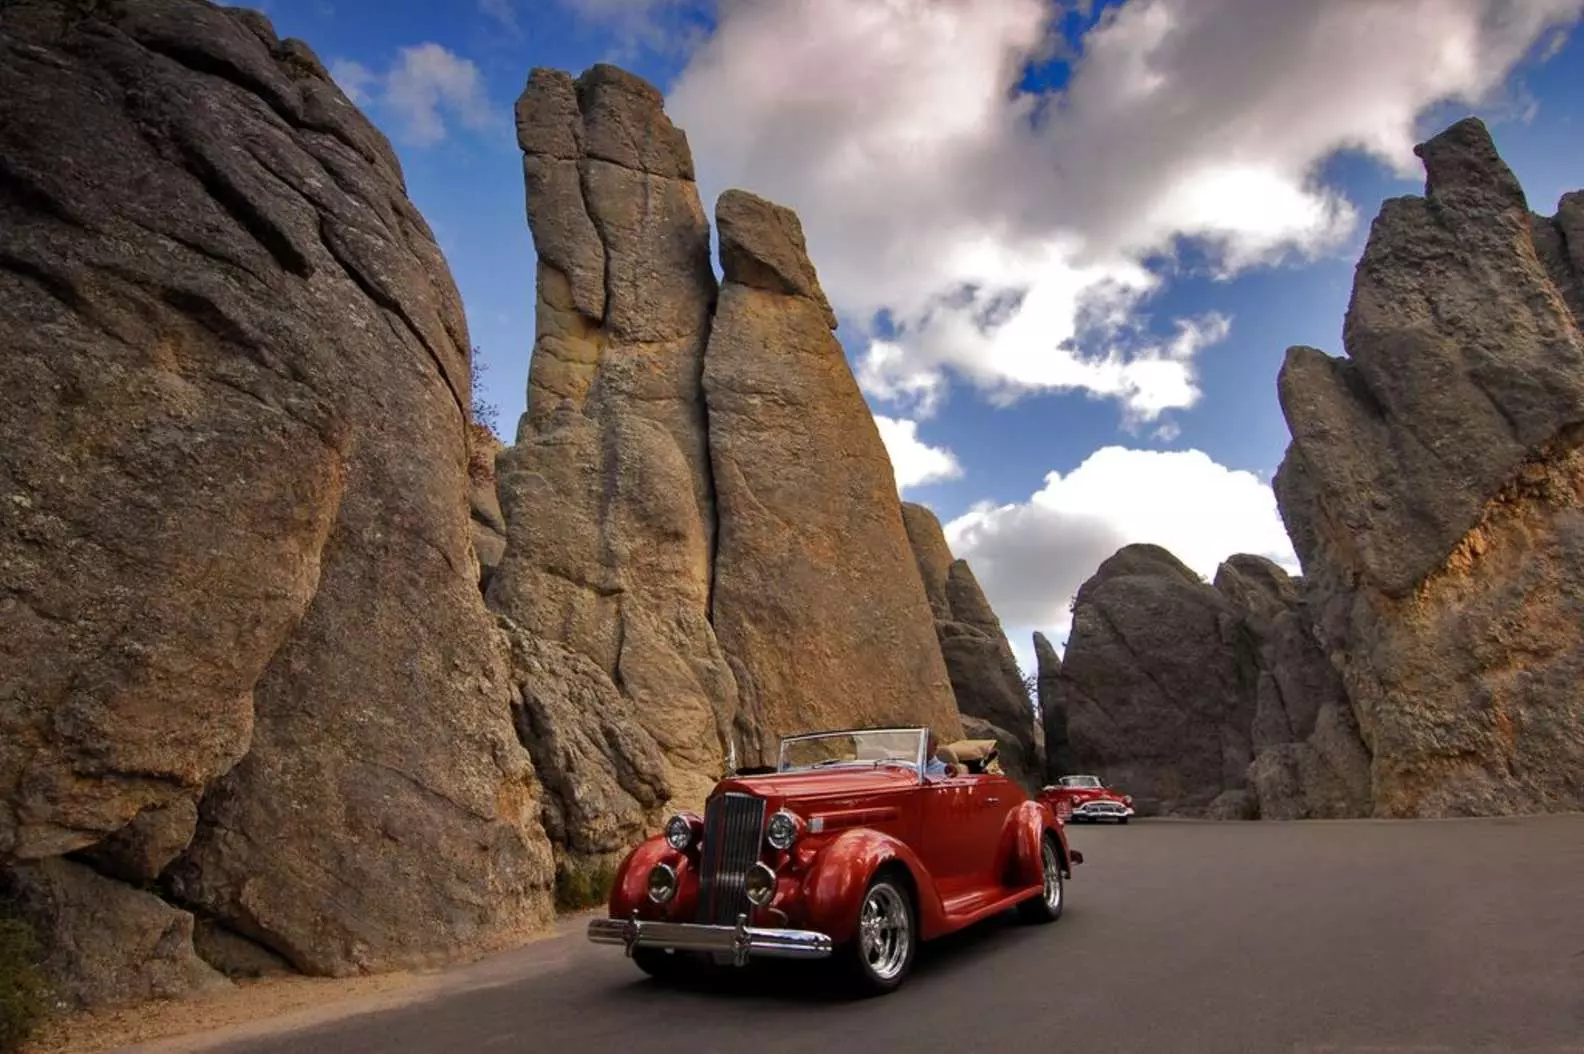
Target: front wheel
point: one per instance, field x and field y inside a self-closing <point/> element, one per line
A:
<point x="661" y="964"/>
<point x="880" y="955"/>
<point x="1047" y="907"/>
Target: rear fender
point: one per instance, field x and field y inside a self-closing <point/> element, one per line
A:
<point x="1019" y="859"/>
<point x="840" y="873"/>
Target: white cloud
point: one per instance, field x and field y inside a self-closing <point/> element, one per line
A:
<point x="1005" y="234"/>
<point x="426" y="85"/>
<point x="1032" y="556"/>
<point x="665" y="27"/>
<point x="914" y="461"/>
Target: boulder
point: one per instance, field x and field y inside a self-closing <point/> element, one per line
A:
<point x="1434" y="490"/>
<point x="235" y="556"/>
<point x="1156" y="685"/>
<point x="106" y="944"/>
<point x="984" y="674"/>
<point x="606" y="494"/>
<point x="817" y="602"/>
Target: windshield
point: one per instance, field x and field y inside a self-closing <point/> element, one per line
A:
<point x="1080" y="781"/>
<point x="866" y="748"/>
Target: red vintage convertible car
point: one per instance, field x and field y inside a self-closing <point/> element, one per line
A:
<point x="1084" y="799"/>
<point x="859" y="845"/>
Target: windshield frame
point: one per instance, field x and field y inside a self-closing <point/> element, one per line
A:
<point x="918" y="763"/>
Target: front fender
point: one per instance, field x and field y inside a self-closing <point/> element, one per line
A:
<point x="630" y="888"/>
<point x="840" y="873"/>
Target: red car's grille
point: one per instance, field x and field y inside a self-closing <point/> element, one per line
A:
<point x="733" y="828"/>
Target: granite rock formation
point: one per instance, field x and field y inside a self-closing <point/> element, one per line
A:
<point x="1059" y="760"/>
<point x="816" y="601"/>
<point x="484" y="509"/>
<point x="1156" y="685"/>
<point x="1309" y="760"/>
<point x="235" y="569"/>
<point x="606" y="493"/>
<point x="984" y="674"/>
<point x="1434" y="491"/>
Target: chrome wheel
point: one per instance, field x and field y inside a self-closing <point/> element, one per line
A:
<point x="885" y="931"/>
<point x="1053" y="878"/>
<point x="1046" y="905"/>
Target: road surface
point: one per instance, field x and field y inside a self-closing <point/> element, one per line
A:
<point x="1177" y="937"/>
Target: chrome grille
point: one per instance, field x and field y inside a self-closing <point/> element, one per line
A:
<point x="733" y="827"/>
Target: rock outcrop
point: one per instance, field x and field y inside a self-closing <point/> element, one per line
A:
<point x="235" y="570"/>
<point x="1309" y="760"/>
<point x="488" y="523"/>
<point x="1434" y="491"/>
<point x="816" y="603"/>
<point x="1156" y="686"/>
<point x="607" y="493"/>
<point x="984" y="674"/>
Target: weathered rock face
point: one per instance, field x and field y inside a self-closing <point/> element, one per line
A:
<point x="984" y="674"/>
<point x="1059" y="760"/>
<point x="234" y="542"/>
<point x="1434" y="490"/>
<point x="1309" y="761"/>
<point x="817" y="602"/>
<point x="606" y="494"/>
<point x="1155" y="685"/>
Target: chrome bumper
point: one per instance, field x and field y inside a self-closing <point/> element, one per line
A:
<point x="740" y="941"/>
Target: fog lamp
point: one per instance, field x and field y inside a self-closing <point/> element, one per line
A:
<point x="662" y="883"/>
<point x="760" y="884"/>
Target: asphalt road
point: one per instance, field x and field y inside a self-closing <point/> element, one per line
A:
<point x="1177" y="937"/>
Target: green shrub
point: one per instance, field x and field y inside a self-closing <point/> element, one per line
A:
<point x="23" y="994"/>
<point x="582" y="886"/>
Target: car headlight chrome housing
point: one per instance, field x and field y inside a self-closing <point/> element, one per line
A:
<point x="782" y="830"/>
<point x="759" y="884"/>
<point x="662" y="883"/>
<point x="679" y="831"/>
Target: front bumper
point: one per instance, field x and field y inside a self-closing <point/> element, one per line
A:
<point x="1109" y="812"/>
<point x="740" y="941"/>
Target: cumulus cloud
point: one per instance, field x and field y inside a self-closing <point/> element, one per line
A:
<point x="427" y="86"/>
<point x="1032" y="556"/>
<point x="914" y="461"/>
<point x="1014" y="239"/>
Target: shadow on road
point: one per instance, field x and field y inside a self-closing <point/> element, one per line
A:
<point x="772" y="981"/>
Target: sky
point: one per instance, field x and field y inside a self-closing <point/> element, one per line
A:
<point x="1068" y="242"/>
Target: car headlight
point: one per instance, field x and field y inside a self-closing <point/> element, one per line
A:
<point x="782" y="830"/>
<point x="679" y="832"/>
<point x="759" y="884"/>
<point x="662" y="883"/>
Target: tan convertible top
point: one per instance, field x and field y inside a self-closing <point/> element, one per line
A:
<point x="967" y="750"/>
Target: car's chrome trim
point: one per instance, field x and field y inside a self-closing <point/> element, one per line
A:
<point x="740" y="941"/>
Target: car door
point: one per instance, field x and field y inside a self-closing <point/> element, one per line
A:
<point x="991" y="798"/>
<point x="950" y="835"/>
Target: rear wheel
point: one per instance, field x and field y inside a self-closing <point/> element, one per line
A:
<point x="1047" y="906"/>
<point x="880" y="955"/>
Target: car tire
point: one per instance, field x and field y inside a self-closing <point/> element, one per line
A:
<point x="1124" y="819"/>
<point x="880" y="955"/>
<point x="664" y="966"/>
<point x="1046" y="907"/>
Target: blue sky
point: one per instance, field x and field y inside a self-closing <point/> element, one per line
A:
<point x="1266" y="93"/>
